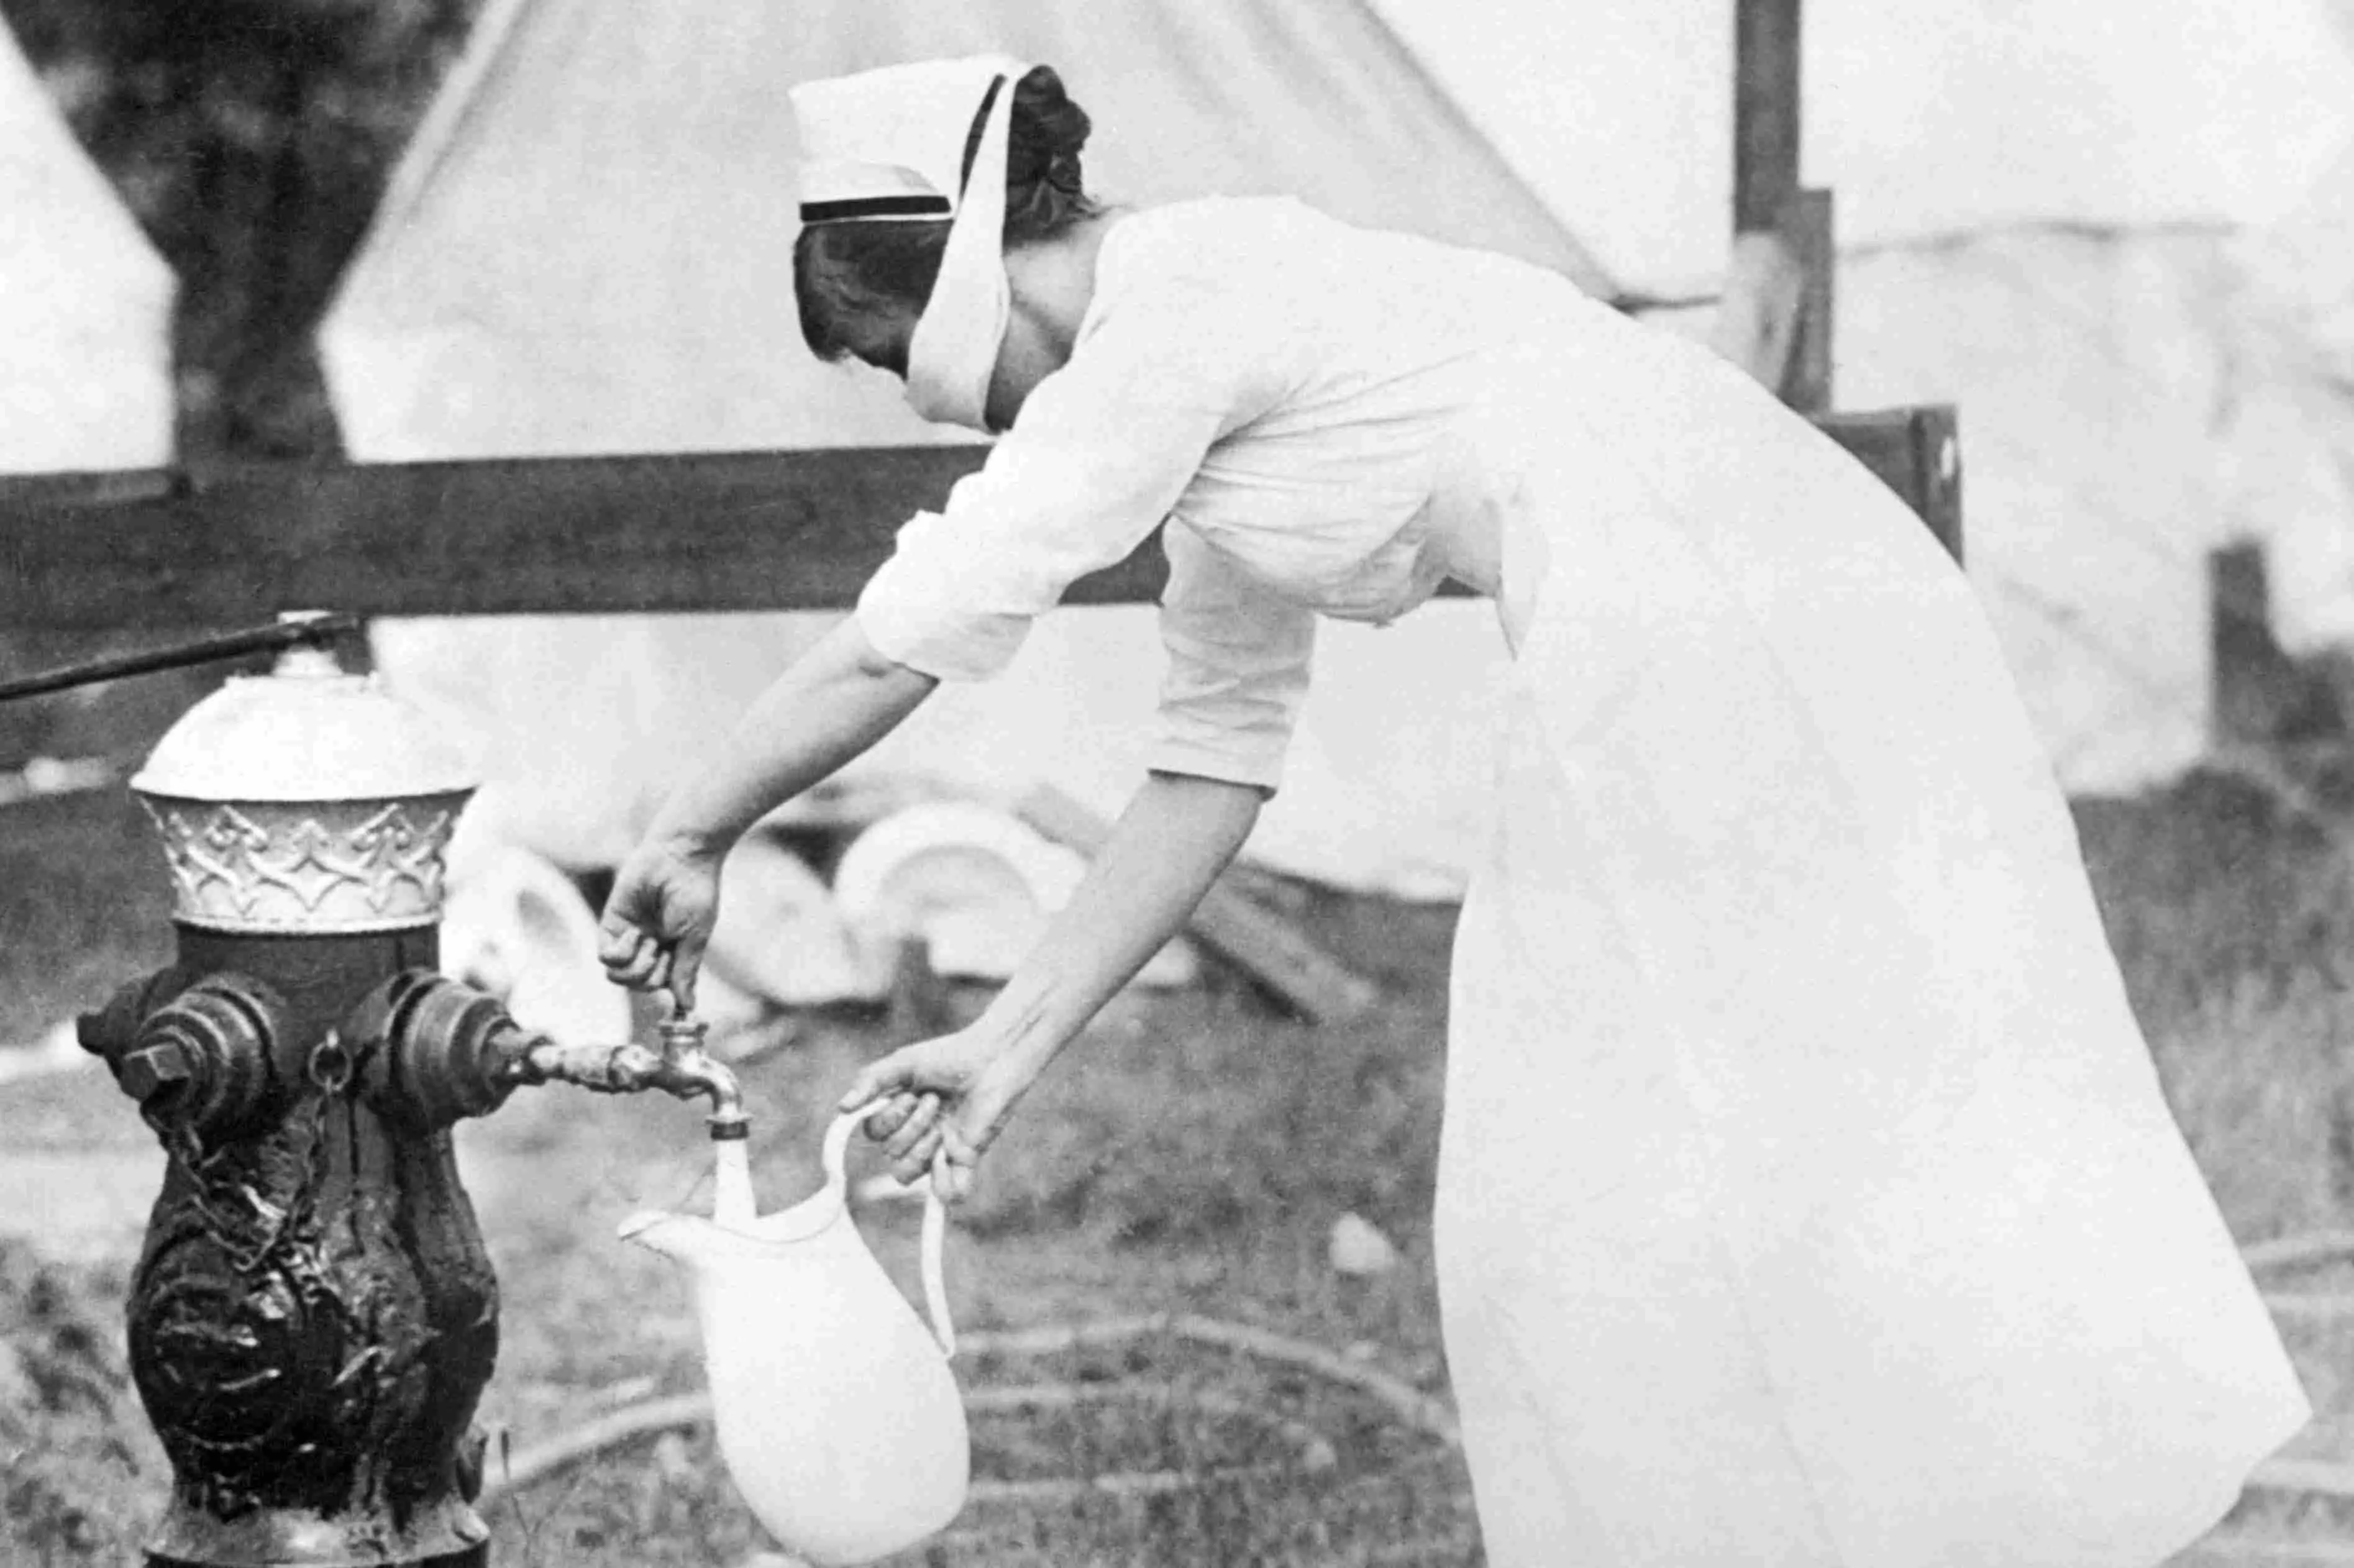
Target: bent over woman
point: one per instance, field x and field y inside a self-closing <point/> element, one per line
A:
<point x="1807" y="1197"/>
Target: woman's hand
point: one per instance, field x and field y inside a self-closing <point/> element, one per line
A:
<point x="659" y="918"/>
<point x="835" y="701"/>
<point x="948" y="1098"/>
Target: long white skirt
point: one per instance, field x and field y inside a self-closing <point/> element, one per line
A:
<point x="1807" y="1196"/>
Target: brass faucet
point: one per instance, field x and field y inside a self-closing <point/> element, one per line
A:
<point x="683" y="1067"/>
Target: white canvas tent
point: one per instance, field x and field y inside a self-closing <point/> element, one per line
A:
<point x="2134" y="399"/>
<point x="1929" y="118"/>
<point x="86" y="375"/>
<point x="2130" y="337"/>
<point x="2048" y="207"/>
<point x="2110" y="234"/>
<point x="586" y="251"/>
<point x="85" y="301"/>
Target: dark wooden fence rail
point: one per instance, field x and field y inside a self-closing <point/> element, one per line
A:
<point x="797" y="530"/>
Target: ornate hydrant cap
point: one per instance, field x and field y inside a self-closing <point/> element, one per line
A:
<point x="306" y="731"/>
<point x="305" y="801"/>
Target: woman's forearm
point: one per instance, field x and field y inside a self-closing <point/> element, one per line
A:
<point x="1177" y="834"/>
<point x="832" y="704"/>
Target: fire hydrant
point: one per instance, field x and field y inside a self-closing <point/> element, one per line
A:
<point x="313" y="1317"/>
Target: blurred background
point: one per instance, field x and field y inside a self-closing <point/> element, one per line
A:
<point x="250" y="139"/>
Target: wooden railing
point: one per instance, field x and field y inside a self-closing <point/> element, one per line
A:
<point x="793" y="530"/>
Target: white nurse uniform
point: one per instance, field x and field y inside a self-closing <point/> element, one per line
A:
<point x="1806" y="1196"/>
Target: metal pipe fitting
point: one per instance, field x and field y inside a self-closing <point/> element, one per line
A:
<point x="681" y="1068"/>
<point x="201" y="1060"/>
<point x="109" y="1032"/>
<point x="434" y="1050"/>
<point x="195" y="1051"/>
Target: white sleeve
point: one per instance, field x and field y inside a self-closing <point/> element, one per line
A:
<point x="1239" y="668"/>
<point x="1101" y="453"/>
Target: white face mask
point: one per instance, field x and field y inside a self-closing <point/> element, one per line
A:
<point x="952" y="357"/>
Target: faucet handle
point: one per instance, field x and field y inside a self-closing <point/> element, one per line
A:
<point x="682" y="1033"/>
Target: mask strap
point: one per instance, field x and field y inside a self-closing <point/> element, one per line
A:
<point x="953" y="355"/>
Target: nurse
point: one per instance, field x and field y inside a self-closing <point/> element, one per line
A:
<point x="1807" y="1197"/>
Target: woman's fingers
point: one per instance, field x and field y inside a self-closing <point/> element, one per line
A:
<point x="651" y="931"/>
<point x="892" y="1074"/>
<point x="635" y="959"/>
<point x="910" y="1168"/>
<point x="958" y="1146"/>
<point x="918" y="1133"/>
<point x="902" y="1139"/>
<point x="952" y="1166"/>
<point x="618" y="941"/>
<point x="631" y="959"/>
<point x="926" y="1093"/>
<point x="618" y="945"/>
<point x="889" y="1117"/>
<point x="938" y="1150"/>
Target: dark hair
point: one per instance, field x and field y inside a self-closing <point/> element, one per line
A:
<point x="848" y="275"/>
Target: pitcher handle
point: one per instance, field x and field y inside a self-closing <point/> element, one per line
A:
<point x="935" y="1222"/>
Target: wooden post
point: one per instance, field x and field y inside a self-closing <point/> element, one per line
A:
<point x="2250" y="685"/>
<point x="1806" y="382"/>
<point x="1766" y="99"/>
<point x="1777" y="319"/>
<point x="1756" y="324"/>
<point x="1780" y="296"/>
<point x="1937" y="472"/>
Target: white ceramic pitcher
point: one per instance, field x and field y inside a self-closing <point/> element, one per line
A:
<point x="835" y="1410"/>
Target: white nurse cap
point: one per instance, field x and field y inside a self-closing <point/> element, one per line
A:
<point x="890" y="145"/>
<point x="890" y="142"/>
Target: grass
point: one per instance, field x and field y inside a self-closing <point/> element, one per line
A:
<point x="2233" y="919"/>
<point x="1191" y="1157"/>
<point x="83" y="906"/>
